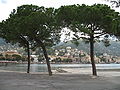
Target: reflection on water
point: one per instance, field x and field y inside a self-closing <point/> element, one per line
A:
<point x="43" y="67"/>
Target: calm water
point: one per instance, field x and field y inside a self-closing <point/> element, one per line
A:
<point x="43" y="67"/>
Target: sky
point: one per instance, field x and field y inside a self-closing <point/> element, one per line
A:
<point x="6" y="6"/>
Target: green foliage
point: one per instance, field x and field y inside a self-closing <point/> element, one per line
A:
<point x="67" y="60"/>
<point x="24" y="58"/>
<point x="57" y="60"/>
<point x="96" y="19"/>
<point x="1" y="55"/>
<point x="102" y="59"/>
<point x="40" y="58"/>
<point x="7" y="56"/>
<point x="28" y="23"/>
<point x="41" y="27"/>
<point x="65" y="15"/>
<point x="2" y="58"/>
<point x="16" y="57"/>
<point x="106" y="41"/>
<point x="82" y="55"/>
<point x="61" y="53"/>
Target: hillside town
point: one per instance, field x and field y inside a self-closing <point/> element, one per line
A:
<point x="59" y="55"/>
<point x="80" y="56"/>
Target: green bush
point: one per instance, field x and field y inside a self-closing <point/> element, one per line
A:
<point x="16" y="57"/>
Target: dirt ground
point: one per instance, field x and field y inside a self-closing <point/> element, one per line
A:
<point x="63" y="81"/>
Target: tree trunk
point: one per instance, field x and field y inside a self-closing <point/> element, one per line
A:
<point x="92" y="55"/>
<point x="28" y="51"/>
<point x="47" y="60"/>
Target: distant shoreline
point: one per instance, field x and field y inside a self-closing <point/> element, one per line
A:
<point x="61" y="63"/>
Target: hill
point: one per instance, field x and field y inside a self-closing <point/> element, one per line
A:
<point x="113" y="49"/>
<point x="2" y="42"/>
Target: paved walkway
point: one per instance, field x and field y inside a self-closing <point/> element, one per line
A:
<point x="23" y="81"/>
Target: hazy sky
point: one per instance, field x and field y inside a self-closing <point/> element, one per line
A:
<point x="6" y="6"/>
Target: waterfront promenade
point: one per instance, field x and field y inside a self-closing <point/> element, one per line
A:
<point x="59" y="81"/>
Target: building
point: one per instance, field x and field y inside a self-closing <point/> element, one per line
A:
<point x="10" y="53"/>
